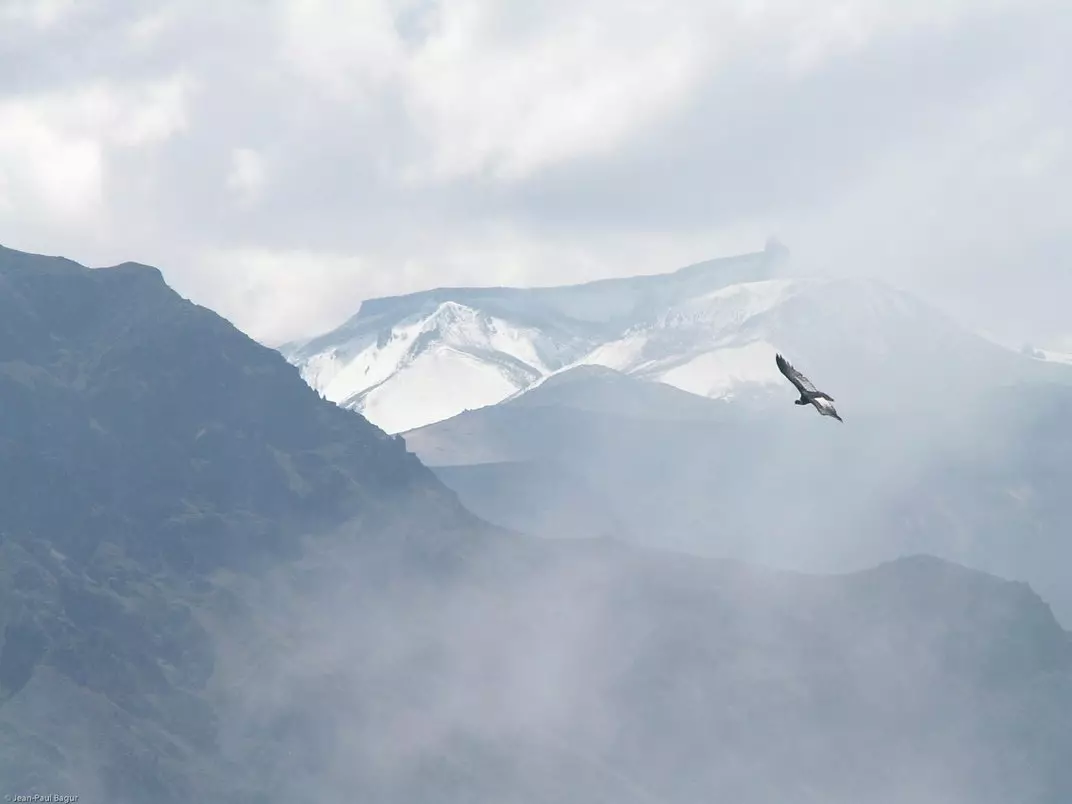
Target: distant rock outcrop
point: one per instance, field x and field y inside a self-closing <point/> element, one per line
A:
<point x="776" y="249"/>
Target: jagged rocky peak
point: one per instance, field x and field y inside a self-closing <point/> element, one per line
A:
<point x="136" y="269"/>
<point x="776" y="249"/>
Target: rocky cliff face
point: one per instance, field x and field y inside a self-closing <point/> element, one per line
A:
<point x="146" y="445"/>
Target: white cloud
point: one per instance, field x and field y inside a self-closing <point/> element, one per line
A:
<point x="147" y="30"/>
<point x="55" y="148"/>
<point x="247" y="175"/>
<point x="814" y="34"/>
<point x="410" y="143"/>
<point x="39" y="13"/>
<point x="578" y="87"/>
<point x="275" y="296"/>
<point x="47" y="170"/>
<point x="148" y="114"/>
<point x="501" y="91"/>
<point x="345" y="49"/>
<point x="484" y="104"/>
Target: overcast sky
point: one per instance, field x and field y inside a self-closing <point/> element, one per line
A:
<point x="280" y="160"/>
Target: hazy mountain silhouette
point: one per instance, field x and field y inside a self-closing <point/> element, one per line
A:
<point x="977" y="478"/>
<point x="217" y="586"/>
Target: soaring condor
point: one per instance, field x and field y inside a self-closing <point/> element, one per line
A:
<point x="809" y="394"/>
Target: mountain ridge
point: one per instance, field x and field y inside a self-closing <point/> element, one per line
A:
<point x="217" y="586"/>
<point x="711" y="329"/>
<point x="151" y="450"/>
<point x="510" y="338"/>
<point x="977" y="478"/>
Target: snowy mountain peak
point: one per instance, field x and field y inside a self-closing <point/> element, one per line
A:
<point x="729" y="306"/>
<point x="722" y="344"/>
<point x="411" y="360"/>
<point x="710" y="329"/>
<point x="1047" y="355"/>
<point x="431" y="365"/>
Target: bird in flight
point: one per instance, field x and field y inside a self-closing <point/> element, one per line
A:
<point x="809" y="394"/>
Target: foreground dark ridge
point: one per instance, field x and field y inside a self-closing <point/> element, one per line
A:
<point x="216" y="586"/>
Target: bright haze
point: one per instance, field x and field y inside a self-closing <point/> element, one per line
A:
<point x="282" y="160"/>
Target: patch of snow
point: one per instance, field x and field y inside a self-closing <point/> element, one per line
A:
<point x="718" y="373"/>
<point x="437" y="385"/>
<point x="340" y="376"/>
<point x="729" y="308"/>
<point x="1055" y="357"/>
<point x="624" y="354"/>
<point x="389" y="374"/>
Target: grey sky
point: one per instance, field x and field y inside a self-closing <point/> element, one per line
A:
<point x="282" y="159"/>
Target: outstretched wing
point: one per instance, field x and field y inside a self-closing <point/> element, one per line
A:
<point x="803" y="384"/>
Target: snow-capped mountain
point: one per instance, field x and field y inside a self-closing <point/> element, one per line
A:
<point x="710" y="329"/>
<point x="858" y="335"/>
<point x="411" y="360"/>
<point x="1057" y="357"/>
<point x="426" y="366"/>
<point x="1047" y="355"/>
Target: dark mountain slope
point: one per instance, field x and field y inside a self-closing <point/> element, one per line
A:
<point x="214" y="586"/>
<point x="168" y="414"/>
<point x="144" y="444"/>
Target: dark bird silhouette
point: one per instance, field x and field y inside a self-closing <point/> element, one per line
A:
<point x="809" y="394"/>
